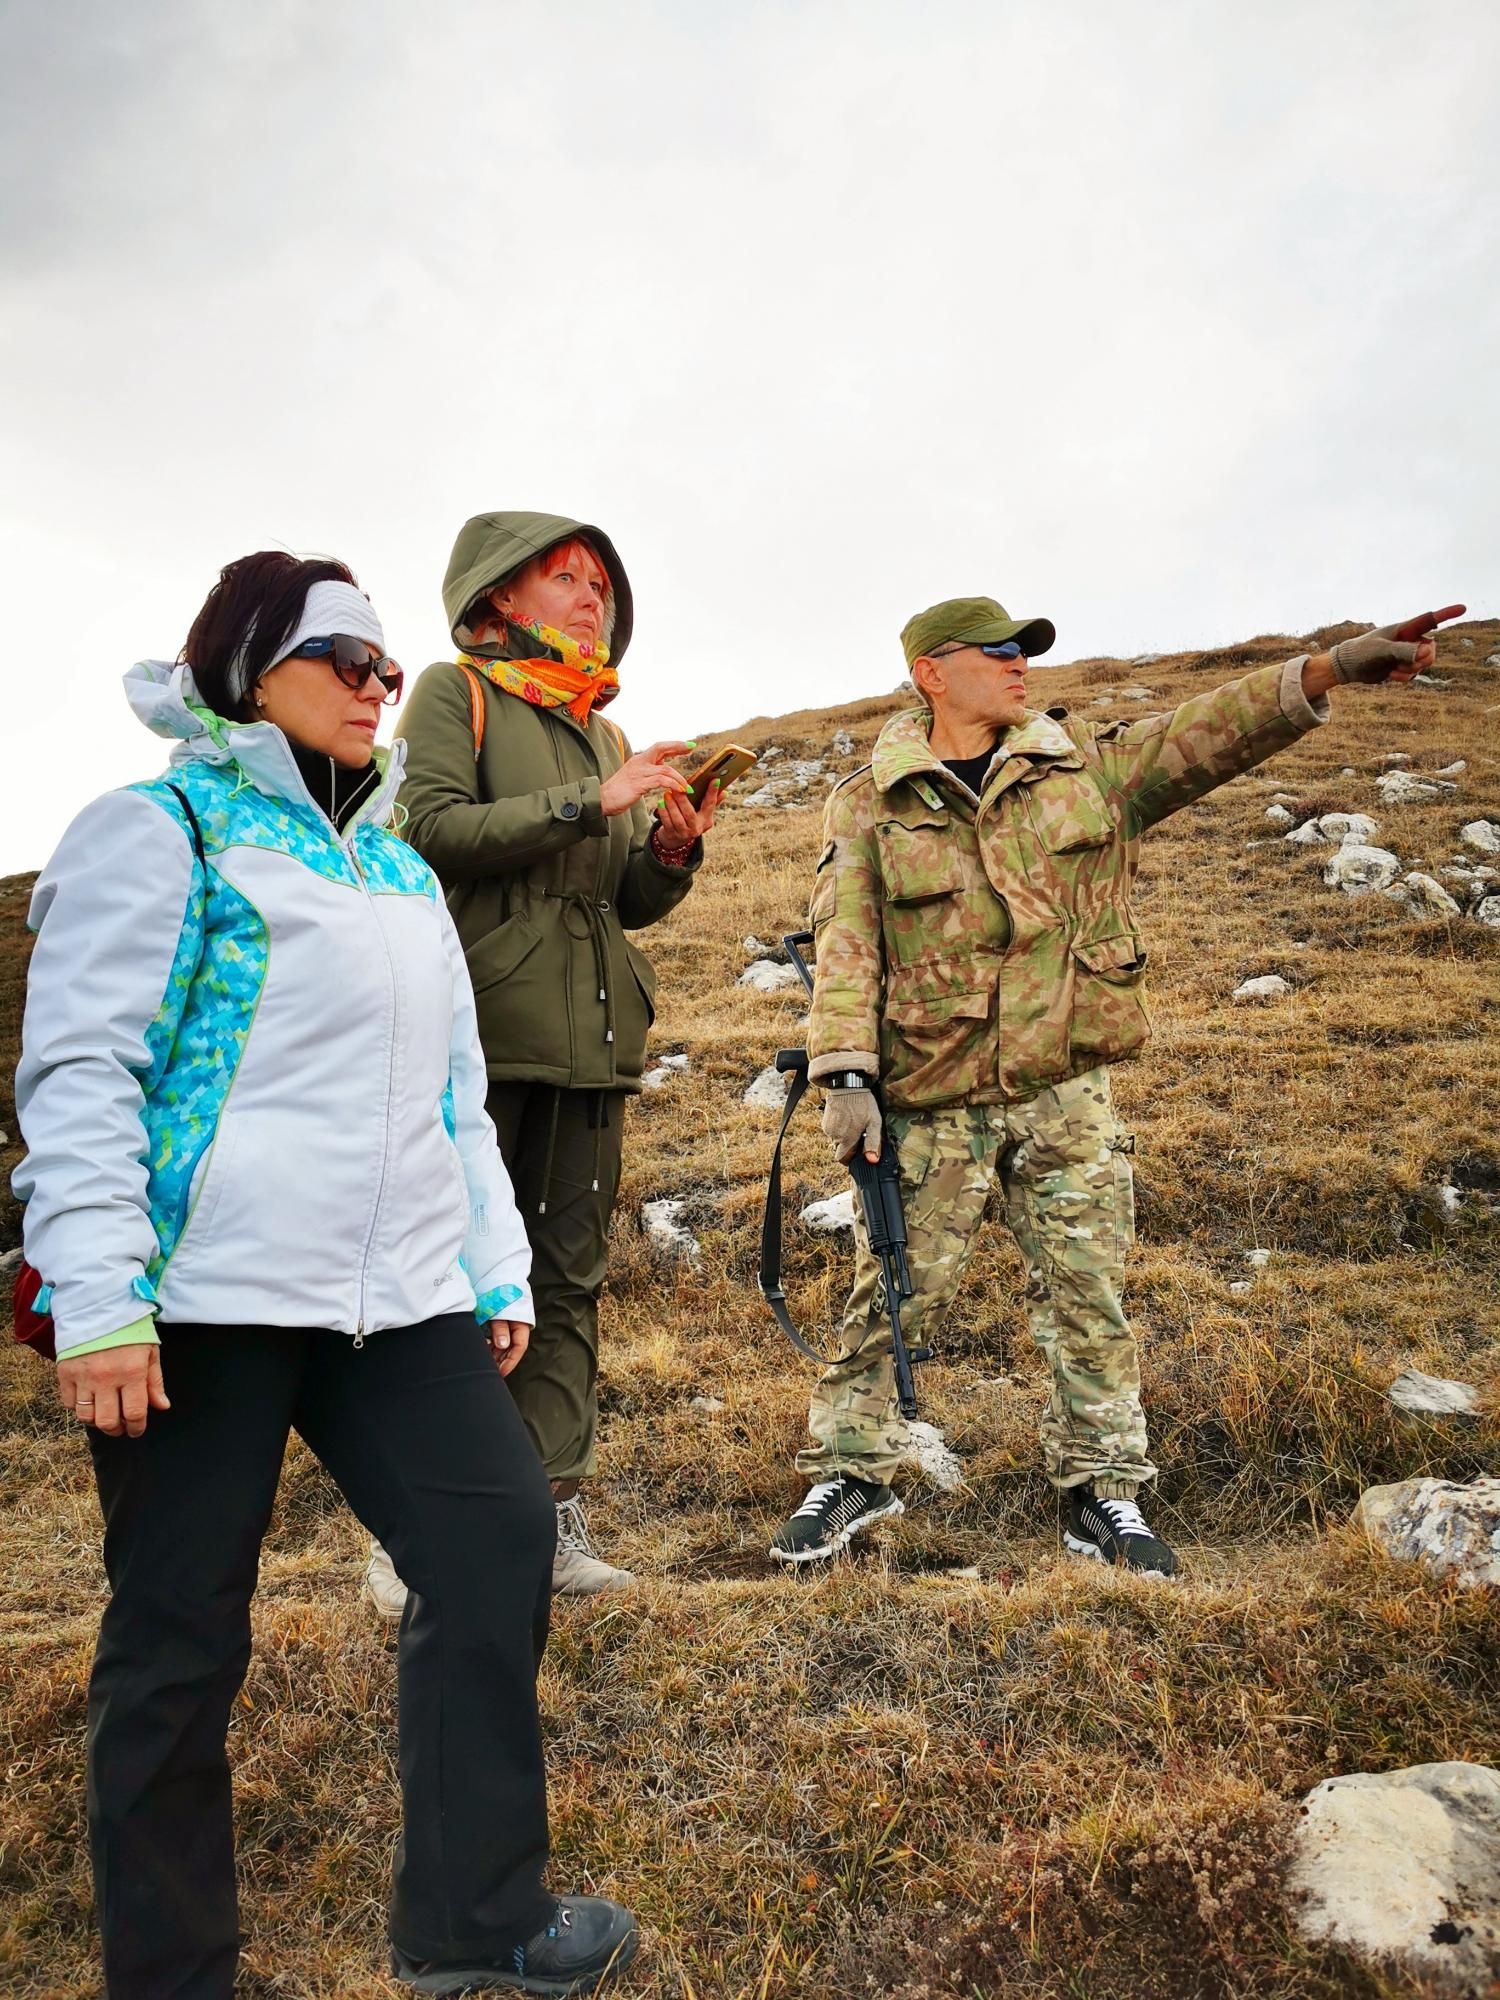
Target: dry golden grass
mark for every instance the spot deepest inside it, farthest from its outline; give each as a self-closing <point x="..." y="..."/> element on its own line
<point x="901" y="1778"/>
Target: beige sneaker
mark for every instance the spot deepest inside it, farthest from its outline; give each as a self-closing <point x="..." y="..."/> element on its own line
<point x="576" y="1569"/>
<point x="383" y="1587"/>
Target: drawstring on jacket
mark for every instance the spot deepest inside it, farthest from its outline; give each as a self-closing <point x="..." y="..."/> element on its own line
<point x="598" y="1117"/>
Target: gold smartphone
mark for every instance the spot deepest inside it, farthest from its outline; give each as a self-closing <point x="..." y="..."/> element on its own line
<point x="725" y="765"/>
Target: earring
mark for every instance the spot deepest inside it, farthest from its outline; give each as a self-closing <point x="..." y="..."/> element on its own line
<point x="260" y="700"/>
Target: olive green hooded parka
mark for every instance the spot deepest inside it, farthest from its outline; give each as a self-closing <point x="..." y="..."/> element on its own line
<point x="542" y="885"/>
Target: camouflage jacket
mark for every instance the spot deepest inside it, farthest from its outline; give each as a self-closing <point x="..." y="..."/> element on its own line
<point x="976" y="950"/>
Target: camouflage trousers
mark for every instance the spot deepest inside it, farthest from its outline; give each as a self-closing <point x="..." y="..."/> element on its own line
<point x="1065" y="1178"/>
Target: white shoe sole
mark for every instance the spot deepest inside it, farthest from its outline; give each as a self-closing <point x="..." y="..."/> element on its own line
<point x="824" y="1550"/>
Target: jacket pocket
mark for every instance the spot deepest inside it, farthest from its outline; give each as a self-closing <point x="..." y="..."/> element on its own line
<point x="920" y="862"/>
<point x="645" y="977"/>
<point x="938" y="1050"/>
<point x="1067" y="812"/>
<point x="1109" y="1018"/>
<point x="499" y="954"/>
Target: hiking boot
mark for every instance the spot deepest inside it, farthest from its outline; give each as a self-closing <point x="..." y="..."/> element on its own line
<point x="1112" y="1531"/>
<point x="383" y="1587"/>
<point x="587" y="1941"/>
<point x="834" y="1511"/>
<point x="577" y="1570"/>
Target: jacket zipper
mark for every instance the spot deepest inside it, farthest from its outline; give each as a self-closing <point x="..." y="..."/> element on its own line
<point x="390" y="1089"/>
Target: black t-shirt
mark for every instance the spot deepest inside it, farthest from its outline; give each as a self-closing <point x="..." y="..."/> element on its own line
<point x="971" y="771"/>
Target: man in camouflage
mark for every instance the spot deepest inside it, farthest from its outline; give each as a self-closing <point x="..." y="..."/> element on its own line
<point x="977" y="955"/>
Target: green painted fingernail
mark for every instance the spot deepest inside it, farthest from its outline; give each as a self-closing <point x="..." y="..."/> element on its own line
<point x="692" y="791"/>
<point x="694" y="744"/>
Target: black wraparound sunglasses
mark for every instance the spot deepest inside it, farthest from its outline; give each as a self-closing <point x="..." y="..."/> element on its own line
<point x="354" y="662"/>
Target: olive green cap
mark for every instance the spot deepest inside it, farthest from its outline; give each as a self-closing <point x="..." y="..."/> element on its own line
<point x="973" y="621"/>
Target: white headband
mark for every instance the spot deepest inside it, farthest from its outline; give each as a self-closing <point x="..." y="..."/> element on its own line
<point x="330" y="608"/>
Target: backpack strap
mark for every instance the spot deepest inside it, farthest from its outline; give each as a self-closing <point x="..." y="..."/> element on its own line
<point x="476" y="706"/>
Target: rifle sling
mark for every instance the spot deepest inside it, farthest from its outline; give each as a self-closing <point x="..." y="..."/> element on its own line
<point x="770" y="1240"/>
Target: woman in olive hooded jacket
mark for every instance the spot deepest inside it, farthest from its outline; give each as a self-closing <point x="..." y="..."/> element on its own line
<point x="538" y="821"/>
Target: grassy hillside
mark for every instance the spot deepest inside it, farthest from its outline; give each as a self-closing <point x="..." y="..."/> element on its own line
<point x="962" y="1763"/>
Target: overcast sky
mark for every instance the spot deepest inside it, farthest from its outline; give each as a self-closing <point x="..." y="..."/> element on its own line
<point x="1172" y="322"/>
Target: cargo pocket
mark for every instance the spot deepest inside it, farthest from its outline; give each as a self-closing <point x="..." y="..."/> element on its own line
<point x="934" y="1053"/>
<point x="919" y="862"/>
<point x="1067" y="812"/>
<point x="498" y="955"/>
<point x="1120" y="1149"/>
<point x="1109" y="1008"/>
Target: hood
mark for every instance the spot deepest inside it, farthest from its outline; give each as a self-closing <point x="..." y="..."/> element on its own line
<point x="903" y="750"/>
<point x="491" y="546"/>
<point x="165" y="697"/>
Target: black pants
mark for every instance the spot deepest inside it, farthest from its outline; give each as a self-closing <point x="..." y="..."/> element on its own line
<point x="423" y="1438"/>
<point x="556" y="1144"/>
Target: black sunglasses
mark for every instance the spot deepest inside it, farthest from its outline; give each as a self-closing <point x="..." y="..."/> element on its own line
<point x="1006" y="650"/>
<point x="354" y="662"/>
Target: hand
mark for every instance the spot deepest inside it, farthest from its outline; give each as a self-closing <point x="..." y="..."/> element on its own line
<point x="646" y="775"/>
<point x="114" y="1389"/>
<point x="683" y="821"/>
<point x="508" y="1338"/>
<point x="1393" y="653"/>
<point x="850" y="1116"/>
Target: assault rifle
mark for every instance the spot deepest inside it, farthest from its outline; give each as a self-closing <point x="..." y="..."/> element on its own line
<point x="885" y="1225"/>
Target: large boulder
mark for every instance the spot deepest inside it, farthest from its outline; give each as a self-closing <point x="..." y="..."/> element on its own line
<point x="1358" y="870"/>
<point x="1452" y="1530"/>
<point x="1405" y="1866"/>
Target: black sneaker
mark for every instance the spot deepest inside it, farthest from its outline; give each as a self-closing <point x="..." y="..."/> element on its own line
<point x="1112" y="1531"/>
<point x="588" y="1941"/>
<point x="833" y="1512"/>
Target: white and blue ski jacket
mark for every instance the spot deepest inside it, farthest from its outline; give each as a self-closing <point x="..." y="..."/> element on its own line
<point x="251" y="1086"/>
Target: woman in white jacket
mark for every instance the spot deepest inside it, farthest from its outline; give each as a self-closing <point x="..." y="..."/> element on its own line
<point x="262" y="1194"/>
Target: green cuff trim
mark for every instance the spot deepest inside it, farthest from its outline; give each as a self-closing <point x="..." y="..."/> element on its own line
<point x="140" y="1333"/>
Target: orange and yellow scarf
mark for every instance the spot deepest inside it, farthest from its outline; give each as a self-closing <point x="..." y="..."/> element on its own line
<point x="574" y="674"/>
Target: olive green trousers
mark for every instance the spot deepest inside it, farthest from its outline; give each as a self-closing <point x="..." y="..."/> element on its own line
<point x="562" y="1149"/>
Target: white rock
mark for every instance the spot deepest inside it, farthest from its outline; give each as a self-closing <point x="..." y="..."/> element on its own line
<point x="1309" y="834"/>
<point x="10" y="1263"/>
<point x="1422" y="897"/>
<point x="1146" y="659"/>
<point x="843" y="743"/>
<point x="1405" y="1865"/>
<point x="1349" y="829"/>
<point x="1402" y="788"/>
<point x="1449" y="1529"/>
<point x="1138" y="694"/>
<point x="1359" y="870"/>
<point x="1429" y="681"/>
<point x="928" y="1450"/>
<point x="1432" y="1395"/>
<point x="1279" y="816"/>
<point x="665" y="1229"/>
<point x="1241" y="1286"/>
<point x="771" y="750"/>
<point x="1492" y="659"/>
<point x="1467" y="644"/>
<point x="1454" y="770"/>
<point x="767" y="795"/>
<point x="666" y="1068"/>
<point x="710" y="1405"/>
<point x="754" y="947"/>
<point x="1347" y="772"/>
<point x="827" y="1217"/>
<point x="1395" y="757"/>
<point x="766" y="976"/>
<point x="768" y="1092"/>
<point x="1487" y="912"/>
<point x="1483" y="835"/>
<point x="1257" y="1259"/>
<point x="1270" y="986"/>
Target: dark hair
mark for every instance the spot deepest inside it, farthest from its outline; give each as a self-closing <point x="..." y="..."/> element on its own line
<point x="254" y="607"/>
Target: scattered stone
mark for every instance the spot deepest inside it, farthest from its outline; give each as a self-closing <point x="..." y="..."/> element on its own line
<point x="1241" y="1286"/>
<point x="754" y="947"/>
<point x="1395" y="757"/>
<point x="1487" y="911"/>
<point x="1492" y="660"/>
<point x="768" y="1092"/>
<point x="1359" y="870"/>
<point x="1423" y="898"/>
<point x="928" y="1450"/>
<point x="1146" y="659"/>
<point x="1454" y="770"/>
<point x="1467" y="644"/>
<point x="771" y="751"/>
<point x="1405" y="1865"/>
<point x="1307" y="835"/>
<point x="1483" y="835"/>
<point x="1284" y="798"/>
<point x="1279" y="816"/>
<point x="1451" y="1530"/>
<point x="828" y="1217"/>
<point x="1138" y="694"/>
<point x="710" y="1405"/>
<point x="665" y="1229"/>
<point x="1270" y="986"/>
<point x="1432" y="1395"/>
<point x="764" y="975"/>
<point x="1348" y="771"/>
<point x="666" y="1068"/>
<point x="10" y="1263"/>
<point x="843" y="743"/>
<point x="1401" y="788"/>
<point x="1257" y="1259"/>
<point x="1428" y="681"/>
<point x="1348" y="829"/>
<point x="766" y="795"/>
